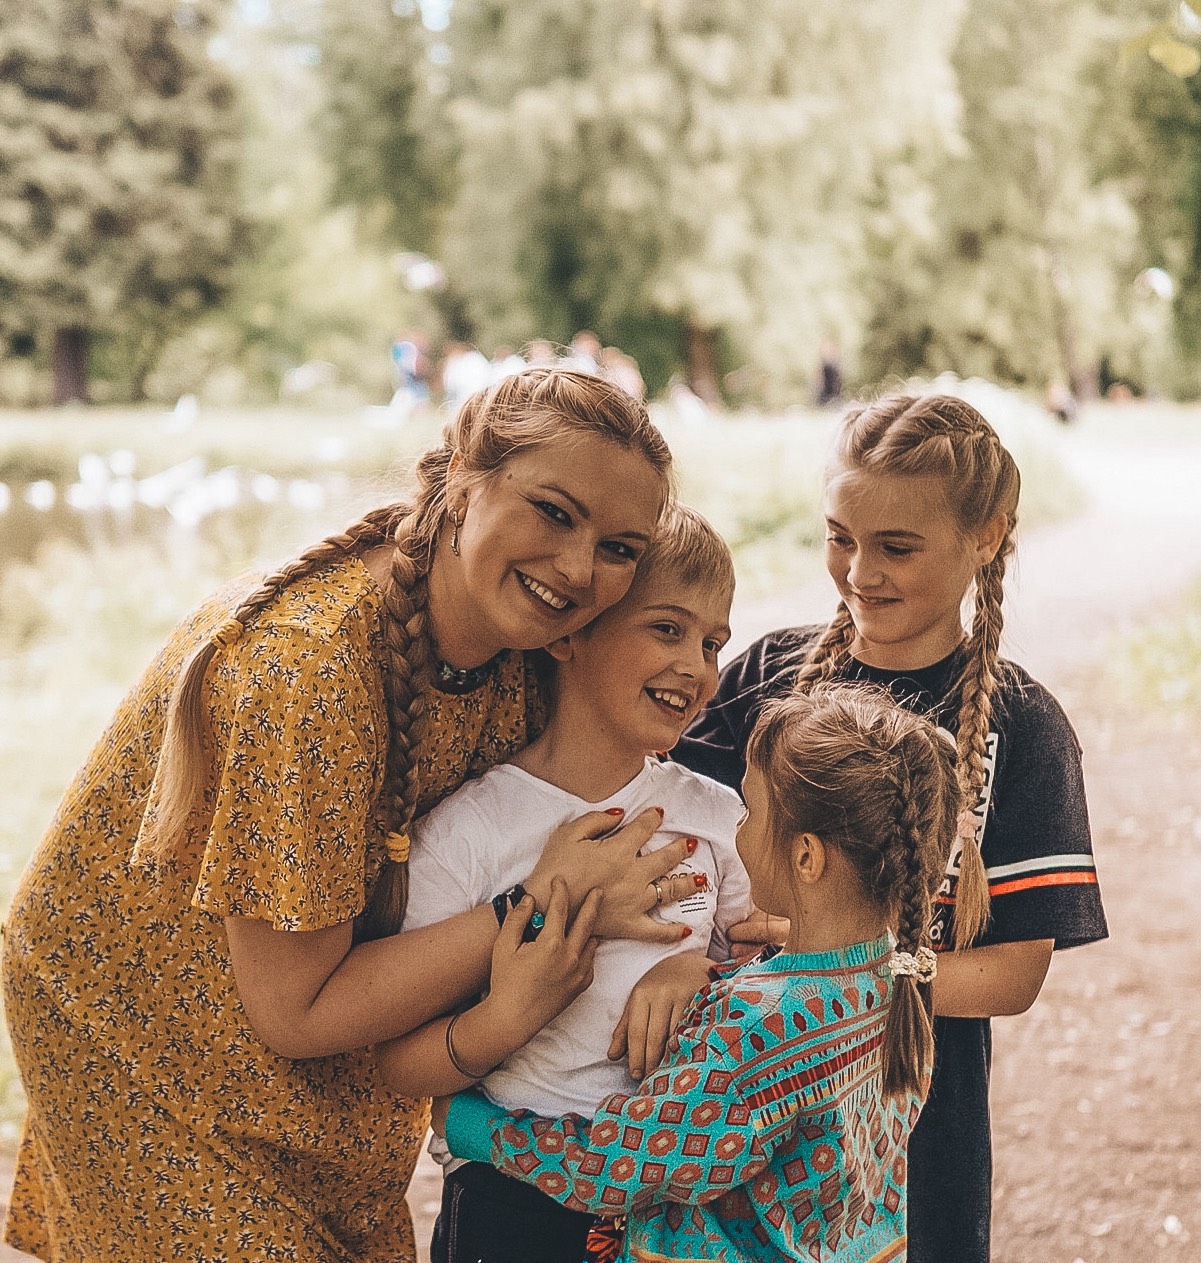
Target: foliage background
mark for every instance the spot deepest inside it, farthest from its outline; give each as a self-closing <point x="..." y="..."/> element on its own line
<point x="218" y="192"/>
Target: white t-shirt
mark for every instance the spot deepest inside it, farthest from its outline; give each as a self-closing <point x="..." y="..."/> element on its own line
<point x="488" y="835"/>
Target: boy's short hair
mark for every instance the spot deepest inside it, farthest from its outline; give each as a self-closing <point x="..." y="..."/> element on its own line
<point x="686" y="547"/>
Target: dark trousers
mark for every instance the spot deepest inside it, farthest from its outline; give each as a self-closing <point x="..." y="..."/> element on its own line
<point x="487" y="1217"/>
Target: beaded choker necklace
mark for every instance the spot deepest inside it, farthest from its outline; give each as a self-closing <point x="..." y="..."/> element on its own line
<point x="464" y="679"/>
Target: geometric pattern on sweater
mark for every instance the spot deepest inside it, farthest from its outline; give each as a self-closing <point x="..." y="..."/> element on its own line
<point x="764" y="1134"/>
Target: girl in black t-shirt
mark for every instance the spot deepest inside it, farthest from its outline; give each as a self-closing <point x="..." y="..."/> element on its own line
<point x="920" y="503"/>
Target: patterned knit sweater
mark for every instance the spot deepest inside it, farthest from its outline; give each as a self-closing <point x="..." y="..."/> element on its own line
<point x="763" y="1135"/>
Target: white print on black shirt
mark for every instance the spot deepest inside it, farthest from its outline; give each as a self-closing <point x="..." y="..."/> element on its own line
<point x="940" y="926"/>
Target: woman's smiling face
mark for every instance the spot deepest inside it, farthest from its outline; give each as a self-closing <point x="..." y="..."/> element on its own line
<point x="546" y="543"/>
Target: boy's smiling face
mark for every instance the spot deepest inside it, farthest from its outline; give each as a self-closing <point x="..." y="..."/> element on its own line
<point x="643" y="669"/>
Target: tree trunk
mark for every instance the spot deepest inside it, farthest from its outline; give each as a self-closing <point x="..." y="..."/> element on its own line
<point x="70" y="362"/>
<point x="1081" y="383"/>
<point x="702" y="364"/>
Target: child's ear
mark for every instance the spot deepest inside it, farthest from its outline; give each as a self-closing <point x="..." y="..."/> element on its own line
<point x="562" y="649"/>
<point x="809" y="857"/>
<point x="990" y="538"/>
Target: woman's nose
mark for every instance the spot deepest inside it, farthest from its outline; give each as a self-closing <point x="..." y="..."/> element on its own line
<point x="574" y="562"/>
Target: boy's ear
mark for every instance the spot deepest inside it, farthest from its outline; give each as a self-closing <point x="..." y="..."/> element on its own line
<point x="562" y="649"/>
<point x="809" y="857"/>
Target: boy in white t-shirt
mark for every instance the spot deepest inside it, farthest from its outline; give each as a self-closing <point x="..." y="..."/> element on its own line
<point x="625" y="687"/>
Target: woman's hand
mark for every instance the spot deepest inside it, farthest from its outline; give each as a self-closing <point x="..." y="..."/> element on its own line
<point x="534" y="982"/>
<point x="659" y="1000"/>
<point x="760" y="928"/>
<point x="531" y="983"/>
<point x="593" y="852"/>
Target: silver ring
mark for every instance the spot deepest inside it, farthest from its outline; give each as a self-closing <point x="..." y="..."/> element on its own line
<point x="658" y="892"/>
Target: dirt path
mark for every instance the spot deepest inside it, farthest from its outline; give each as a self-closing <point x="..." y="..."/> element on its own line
<point x="1097" y="1108"/>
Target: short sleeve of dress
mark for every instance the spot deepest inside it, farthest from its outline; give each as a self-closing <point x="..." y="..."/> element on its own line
<point x="298" y="777"/>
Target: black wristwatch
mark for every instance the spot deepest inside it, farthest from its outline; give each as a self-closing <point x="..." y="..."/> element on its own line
<point x="503" y="903"/>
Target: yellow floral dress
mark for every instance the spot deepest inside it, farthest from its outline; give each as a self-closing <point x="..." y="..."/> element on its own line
<point x="159" y="1126"/>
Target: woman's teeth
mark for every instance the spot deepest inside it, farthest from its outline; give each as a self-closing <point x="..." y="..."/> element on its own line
<point x="552" y="599"/>
<point x="677" y="701"/>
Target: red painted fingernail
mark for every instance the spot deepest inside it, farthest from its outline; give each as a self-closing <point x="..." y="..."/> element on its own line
<point x="702" y="881"/>
<point x="691" y="844"/>
<point x="615" y="811"/>
<point x="661" y="812"/>
<point x="686" y="932"/>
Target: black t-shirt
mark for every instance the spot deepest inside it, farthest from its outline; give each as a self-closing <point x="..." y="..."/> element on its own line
<point x="1042" y="881"/>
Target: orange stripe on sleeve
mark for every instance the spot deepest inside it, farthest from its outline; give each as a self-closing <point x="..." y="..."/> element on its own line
<point x="1077" y="878"/>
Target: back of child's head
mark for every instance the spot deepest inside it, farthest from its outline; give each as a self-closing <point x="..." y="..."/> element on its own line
<point x="878" y="783"/>
<point x="687" y="550"/>
<point x="939" y="436"/>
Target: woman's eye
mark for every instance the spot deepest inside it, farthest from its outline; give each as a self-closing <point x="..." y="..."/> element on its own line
<point x="622" y="551"/>
<point x="712" y="647"/>
<point x="553" y="511"/>
<point x="895" y="550"/>
<point x="837" y="541"/>
<point x="666" y="629"/>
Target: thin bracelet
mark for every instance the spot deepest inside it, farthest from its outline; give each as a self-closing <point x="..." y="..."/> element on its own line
<point x="454" y="1058"/>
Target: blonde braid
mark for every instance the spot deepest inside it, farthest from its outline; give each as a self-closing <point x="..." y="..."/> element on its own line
<point x="408" y="670"/>
<point x="185" y="772"/>
<point x="925" y="813"/>
<point x="977" y="686"/>
<point x="829" y="653"/>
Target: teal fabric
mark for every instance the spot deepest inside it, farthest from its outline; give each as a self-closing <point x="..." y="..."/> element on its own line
<point x="764" y="1134"/>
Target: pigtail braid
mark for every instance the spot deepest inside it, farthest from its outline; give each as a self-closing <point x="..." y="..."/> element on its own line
<point x="908" y="1033"/>
<point x="408" y="670"/>
<point x="829" y="653"/>
<point x="185" y="772"/>
<point x="977" y="688"/>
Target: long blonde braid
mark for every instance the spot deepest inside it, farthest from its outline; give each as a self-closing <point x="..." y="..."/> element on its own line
<point x="184" y="775"/>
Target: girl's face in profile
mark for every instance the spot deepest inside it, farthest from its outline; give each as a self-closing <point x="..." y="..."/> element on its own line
<point x="770" y="882"/>
<point x="546" y="543"/>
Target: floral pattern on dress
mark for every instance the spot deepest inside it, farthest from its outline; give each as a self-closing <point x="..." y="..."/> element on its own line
<point x="159" y="1125"/>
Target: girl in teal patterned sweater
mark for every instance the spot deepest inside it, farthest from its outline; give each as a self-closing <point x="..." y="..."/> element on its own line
<point x="777" y="1125"/>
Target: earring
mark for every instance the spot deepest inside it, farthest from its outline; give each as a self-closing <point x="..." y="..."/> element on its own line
<point x="454" y="535"/>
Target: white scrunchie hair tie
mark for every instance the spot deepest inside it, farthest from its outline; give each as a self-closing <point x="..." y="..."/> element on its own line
<point x="922" y="964"/>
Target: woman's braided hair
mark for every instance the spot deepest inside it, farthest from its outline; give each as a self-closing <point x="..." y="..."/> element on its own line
<point x="942" y="437"/>
<point x="516" y="414"/>
<point x="878" y="783"/>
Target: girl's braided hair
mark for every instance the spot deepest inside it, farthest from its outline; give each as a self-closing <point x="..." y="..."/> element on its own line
<point x="877" y="782"/>
<point x="942" y="437"/>
<point x="516" y="414"/>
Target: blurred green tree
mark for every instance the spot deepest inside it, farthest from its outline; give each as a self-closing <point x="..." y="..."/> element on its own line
<point x="685" y="178"/>
<point x="381" y="127"/>
<point x="1021" y="264"/>
<point x="119" y="178"/>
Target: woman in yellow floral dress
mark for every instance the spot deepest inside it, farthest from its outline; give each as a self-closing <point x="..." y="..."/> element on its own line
<point x="203" y="951"/>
